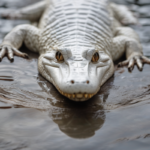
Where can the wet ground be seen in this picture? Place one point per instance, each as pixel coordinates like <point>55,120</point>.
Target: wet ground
<point>37,117</point>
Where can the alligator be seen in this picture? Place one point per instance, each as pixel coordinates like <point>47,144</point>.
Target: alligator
<point>77,41</point>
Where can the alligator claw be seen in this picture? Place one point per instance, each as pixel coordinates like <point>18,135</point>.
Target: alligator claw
<point>10,51</point>
<point>138,60</point>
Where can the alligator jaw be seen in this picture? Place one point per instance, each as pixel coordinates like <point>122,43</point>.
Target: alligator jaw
<point>79,97</point>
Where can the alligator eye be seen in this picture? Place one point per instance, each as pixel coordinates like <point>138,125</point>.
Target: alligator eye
<point>95,57</point>
<point>59,56</point>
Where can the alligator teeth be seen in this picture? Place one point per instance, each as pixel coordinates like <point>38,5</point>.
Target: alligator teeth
<point>90,95</point>
<point>79,95</point>
<point>86,95</point>
<point>69,95</point>
<point>73,96</point>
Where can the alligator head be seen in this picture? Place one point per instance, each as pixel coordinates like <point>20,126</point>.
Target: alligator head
<point>76,74</point>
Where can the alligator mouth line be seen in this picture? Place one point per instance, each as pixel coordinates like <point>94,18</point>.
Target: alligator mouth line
<point>77,96</point>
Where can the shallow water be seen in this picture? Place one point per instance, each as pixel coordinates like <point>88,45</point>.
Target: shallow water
<point>37,117</point>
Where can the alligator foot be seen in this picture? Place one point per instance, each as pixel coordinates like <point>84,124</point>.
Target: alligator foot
<point>10,51</point>
<point>138,60</point>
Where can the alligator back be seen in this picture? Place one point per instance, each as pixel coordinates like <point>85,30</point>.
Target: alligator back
<point>76,23</point>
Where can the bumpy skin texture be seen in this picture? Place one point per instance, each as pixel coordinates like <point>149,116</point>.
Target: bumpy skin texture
<point>89,36</point>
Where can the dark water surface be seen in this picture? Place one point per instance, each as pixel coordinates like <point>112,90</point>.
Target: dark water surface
<point>37,117</point>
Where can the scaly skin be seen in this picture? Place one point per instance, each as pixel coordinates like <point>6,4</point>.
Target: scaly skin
<point>77,30</point>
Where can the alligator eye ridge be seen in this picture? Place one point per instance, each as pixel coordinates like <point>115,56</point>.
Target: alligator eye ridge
<point>59,56</point>
<point>95,57</point>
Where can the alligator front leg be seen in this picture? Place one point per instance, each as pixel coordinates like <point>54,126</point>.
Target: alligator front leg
<point>13,41</point>
<point>127,41</point>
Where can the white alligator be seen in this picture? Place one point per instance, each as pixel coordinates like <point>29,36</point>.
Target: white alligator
<point>77,42</point>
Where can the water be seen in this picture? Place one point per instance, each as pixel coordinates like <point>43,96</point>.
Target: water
<point>34,116</point>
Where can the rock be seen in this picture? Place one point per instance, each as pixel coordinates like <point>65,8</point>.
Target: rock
<point>143,11</point>
<point>139,2</point>
<point>143,32</point>
<point>144,21</point>
<point>119,2</point>
<point>134,8</point>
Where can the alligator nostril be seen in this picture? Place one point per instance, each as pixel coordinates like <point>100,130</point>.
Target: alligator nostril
<point>72,81</point>
<point>87,81</point>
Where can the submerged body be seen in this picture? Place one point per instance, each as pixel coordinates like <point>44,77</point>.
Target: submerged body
<point>77,42</point>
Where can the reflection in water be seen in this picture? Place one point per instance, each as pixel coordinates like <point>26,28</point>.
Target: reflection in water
<point>77,120</point>
<point>78,123</point>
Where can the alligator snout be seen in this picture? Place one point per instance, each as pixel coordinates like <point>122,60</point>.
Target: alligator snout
<point>79,89</point>
<point>73,81</point>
